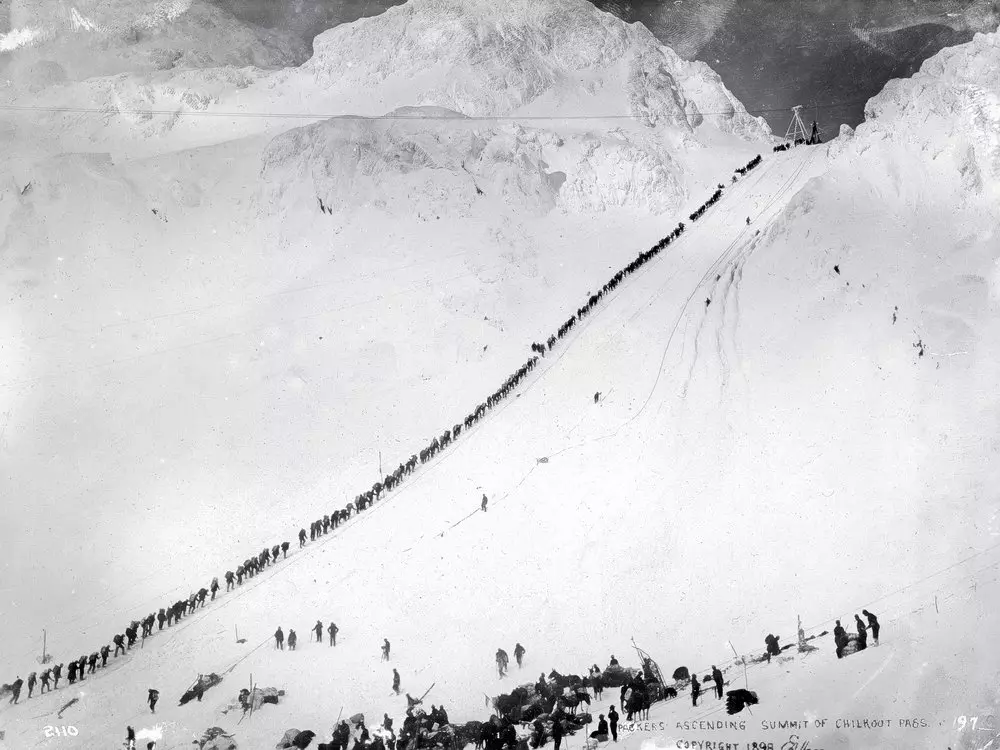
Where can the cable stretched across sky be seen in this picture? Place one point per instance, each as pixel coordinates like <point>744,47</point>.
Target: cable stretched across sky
<point>328,116</point>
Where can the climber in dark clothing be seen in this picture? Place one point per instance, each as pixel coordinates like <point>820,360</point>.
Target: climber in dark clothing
<point>872,625</point>
<point>557,732</point>
<point>395,682</point>
<point>302,537</point>
<point>154,695</point>
<point>284,550</point>
<point>482,505</point>
<point>772,646</point>
<point>840,638</point>
<point>279,639</point>
<point>695,689</point>
<point>318,629</point>
<point>292,640</point>
<point>601,733</point>
<point>332,630</point>
<point>862,633</point>
<point>518,654</point>
<point>717,678</point>
<point>613,717</point>
<point>15,690</point>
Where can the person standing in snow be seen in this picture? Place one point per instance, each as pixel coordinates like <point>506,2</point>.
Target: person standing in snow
<point>557,732</point>
<point>292,640</point>
<point>395,681</point>
<point>717,679</point>
<point>56,674</point>
<point>129,738</point>
<point>105,653</point>
<point>32,679</point>
<point>502,661</point>
<point>279,639</point>
<point>872,624</point>
<point>385,649</point>
<point>840,639</point>
<point>44,677</point>
<point>302,538</point>
<point>483,504</point>
<point>695,689</point>
<point>284,550</point>
<point>214,588</point>
<point>518,654</point>
<point>613,718</point>
<point>332,630</point>
<point>862,633</point>
<point>15,690</point>
<point>318,629</point>
<point>154,695</point>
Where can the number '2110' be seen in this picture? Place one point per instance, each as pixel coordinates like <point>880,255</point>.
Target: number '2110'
<point>63,731</point>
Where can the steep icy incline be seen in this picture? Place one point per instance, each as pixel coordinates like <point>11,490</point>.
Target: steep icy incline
<point>885,275</point>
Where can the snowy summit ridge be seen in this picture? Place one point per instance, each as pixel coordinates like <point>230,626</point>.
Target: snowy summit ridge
<point>489,59</point>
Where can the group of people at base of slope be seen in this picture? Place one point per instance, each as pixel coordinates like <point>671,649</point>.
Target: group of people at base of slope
<point>696,686</point>
<point>841,639</point>
<point>501,656</point>
<point>317,629</point>
<point>145,628</point>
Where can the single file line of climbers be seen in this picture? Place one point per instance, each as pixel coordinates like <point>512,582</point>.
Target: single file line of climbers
<point>257,563</point>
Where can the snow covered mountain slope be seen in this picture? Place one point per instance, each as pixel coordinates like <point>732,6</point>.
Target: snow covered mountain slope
<point>792,422</point>
<point>208,294</point>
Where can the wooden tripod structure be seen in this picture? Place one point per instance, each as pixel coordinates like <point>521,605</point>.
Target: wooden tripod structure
<point>796,128</point>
